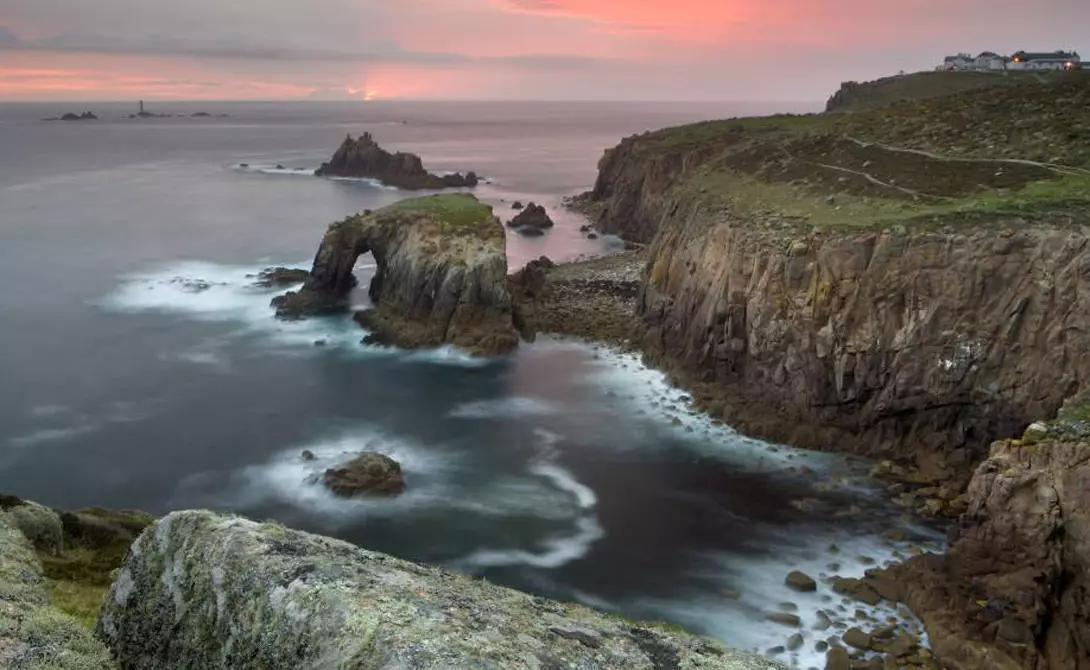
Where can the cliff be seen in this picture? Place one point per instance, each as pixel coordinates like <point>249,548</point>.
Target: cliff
<point>1013,591</point>
<point>441,275</point>
<point>854,96</point>
<point>208,591</point>
<point>34,635</point>
<point>819,285</point>
<point>364,158</point>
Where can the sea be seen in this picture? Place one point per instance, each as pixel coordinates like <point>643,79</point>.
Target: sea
<point>140,367</point>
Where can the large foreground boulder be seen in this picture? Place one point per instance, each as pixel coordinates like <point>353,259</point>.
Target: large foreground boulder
<point>441,275</point>
<point>199,590</point>
<point>33,634</point>
<point>364,158</point>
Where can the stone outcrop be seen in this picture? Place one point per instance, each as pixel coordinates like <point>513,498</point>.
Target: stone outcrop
<point>364,158</point>
<point>200,590</point>
<point>441,275</point>
<point>367,474</point>
<point>71,116</point>
<point>533,220</point>
<point>280,276</point>
<point>1013,591</point>
<point>34,634</point>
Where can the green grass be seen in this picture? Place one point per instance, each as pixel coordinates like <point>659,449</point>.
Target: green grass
<point>457,210</point>
<point>81,601</point>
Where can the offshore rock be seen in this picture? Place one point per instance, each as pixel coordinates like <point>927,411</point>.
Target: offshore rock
<point>369,473</point>
<point>533,220</point>
<point>364,158</point>
<point>33,634</point>
<point>199,590</point>
<point>441,275</point>
<point>281,276</point>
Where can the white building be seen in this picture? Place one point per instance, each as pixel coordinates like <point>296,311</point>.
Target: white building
<point>1054,60</point>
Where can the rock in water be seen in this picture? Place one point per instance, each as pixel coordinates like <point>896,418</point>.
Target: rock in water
<point>276,277</point>
<point>800,581</point>
<point>369,473</point>
<point>441,276</point>
<point>533,220</point>
<point>364,158</point>
<point>205,591</point>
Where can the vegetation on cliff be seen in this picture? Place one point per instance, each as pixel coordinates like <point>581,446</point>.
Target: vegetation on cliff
<point>854,96</point>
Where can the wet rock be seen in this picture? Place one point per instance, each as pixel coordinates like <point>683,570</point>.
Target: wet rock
<point>592,236</point>
<point>517,205</point>
<point>800,581</point>
<point>533,220</point>
<point>369,473</point>
<point>795,642</point>
<point>308,455</point>
<point>837,659</point>
<point>853,637</point>
<point>856,589</point>
<point>280,276</point>
<point>785,618</point>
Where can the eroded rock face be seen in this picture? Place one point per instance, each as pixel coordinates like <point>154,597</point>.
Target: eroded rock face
<point>364,158</point>
<point>369,473</point>
<point>1013,591</point>
<point>441,277</point>
<point>191,582</point>
<point>280,276</point>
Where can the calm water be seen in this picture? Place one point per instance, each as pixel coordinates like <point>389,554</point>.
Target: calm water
<point>558,469</point>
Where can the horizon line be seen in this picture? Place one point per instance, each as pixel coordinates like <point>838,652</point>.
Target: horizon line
<point>401,100</point>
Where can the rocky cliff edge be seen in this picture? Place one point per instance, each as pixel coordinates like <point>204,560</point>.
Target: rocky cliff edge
<point>209,591</point>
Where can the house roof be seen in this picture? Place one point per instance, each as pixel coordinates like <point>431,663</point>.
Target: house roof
<point>988,54</point>
<point>1045,55</point>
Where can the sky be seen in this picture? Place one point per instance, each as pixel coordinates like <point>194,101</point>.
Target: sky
<point>730,50</point>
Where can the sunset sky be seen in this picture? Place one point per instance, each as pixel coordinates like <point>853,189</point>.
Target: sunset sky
<point>757,50</point>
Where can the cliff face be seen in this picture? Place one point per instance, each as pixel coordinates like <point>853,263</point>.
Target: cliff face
<point>363,157</point>
<point>893,343</point>
<point>441,276</point>
<point>1013,591</point>
<point>205,591</point>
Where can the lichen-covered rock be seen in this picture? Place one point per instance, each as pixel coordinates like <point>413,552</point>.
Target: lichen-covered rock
<point>33,635</point>
<point>369,473</point>
<point>41,525</point>
<point>199,590</point>
<point>364,158</point>
<point>441,275</point>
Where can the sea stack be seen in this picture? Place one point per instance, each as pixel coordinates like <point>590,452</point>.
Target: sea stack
<point>441,276</point>
<point>364,158</point>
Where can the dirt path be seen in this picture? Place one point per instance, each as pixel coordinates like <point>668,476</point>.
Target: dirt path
<point>1061,169</point>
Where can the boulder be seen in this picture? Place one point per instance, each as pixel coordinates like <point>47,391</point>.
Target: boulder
<point>853,637</point>
<point>39,524</point>
<point>441,275</point>
<point>33,634</point>
<point>517,204</point>
<point>364,158</point>
<point>369,473</point>
<point>533,220</point>
<point>800,581</point>
<point>200,590</point>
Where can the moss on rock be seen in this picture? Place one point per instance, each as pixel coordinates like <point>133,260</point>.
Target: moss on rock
<point>40,525</point>
<point>199,590</point>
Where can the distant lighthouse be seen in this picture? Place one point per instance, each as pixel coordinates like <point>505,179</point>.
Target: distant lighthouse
<point>141,107</point>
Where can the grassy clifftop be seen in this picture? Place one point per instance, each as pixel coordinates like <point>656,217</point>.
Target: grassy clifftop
<point>1019,149</point>
<point>890,91</point>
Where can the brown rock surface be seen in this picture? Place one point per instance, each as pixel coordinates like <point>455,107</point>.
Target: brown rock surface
<point>369,473</point>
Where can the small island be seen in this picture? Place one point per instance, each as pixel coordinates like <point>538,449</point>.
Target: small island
<point>363,158</point>
<point>70,116</point>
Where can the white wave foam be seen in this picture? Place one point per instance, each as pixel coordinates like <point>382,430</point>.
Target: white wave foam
<point>503,408</point>
<point>276,170</point>
<point>565,481</point>
<point>79,423</point>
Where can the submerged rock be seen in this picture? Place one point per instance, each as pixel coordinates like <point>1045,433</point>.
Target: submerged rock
<point>369,473</point>
<point>364,158</point>
<point>441,276</point>
<point>533,220</point>
<point>201,590</point>
<point>280,276</point>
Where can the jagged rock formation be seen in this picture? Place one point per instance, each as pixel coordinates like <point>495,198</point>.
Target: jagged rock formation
<point>441,277</point>
<point>532,220</point>
<point>70,116</point>
<point>368,473</point>
<point>364,158</point>
<point>1013,591</point>
<point>206,591</point>
<point>280,276</point>
<point>34,634</point>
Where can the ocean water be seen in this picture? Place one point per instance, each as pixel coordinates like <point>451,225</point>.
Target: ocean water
<point>140,368</point>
